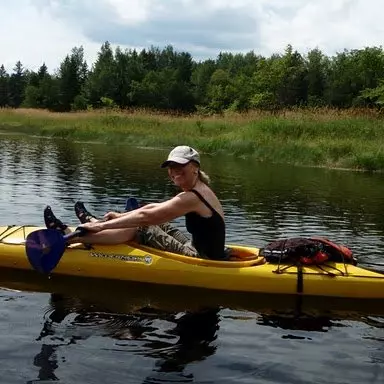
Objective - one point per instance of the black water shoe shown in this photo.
(82, 214)
(52, 222)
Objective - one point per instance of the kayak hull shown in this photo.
(133, 262)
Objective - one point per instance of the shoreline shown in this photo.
(321, 139)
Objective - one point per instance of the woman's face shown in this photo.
(183, 175)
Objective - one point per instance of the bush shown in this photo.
(80, 103)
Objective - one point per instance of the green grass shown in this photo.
(330, 138)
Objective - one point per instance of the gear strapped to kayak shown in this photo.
(313, 251)
(307, 251)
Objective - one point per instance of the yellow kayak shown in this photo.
(248, 273)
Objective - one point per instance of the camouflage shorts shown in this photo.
(166, 238)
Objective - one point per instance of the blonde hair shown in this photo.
(204, 177)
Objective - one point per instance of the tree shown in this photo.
(50, 92)
(4, 83)
(162, 90)
(17, 84)
(170, 80)
(316, 77)
(200, 78)
(39, 91)
(32, 97)
(238, 63)
(292, 88)
(221, 91)
(280, 81)
(129, 69)
(351, 72)
(42, 72)
(72, 76)
(102, 79)
(149, 59)
(374, 96)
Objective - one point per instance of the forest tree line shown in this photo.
(164, 79)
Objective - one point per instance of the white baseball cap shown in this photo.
(182, 155)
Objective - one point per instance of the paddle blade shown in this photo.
(131, 204)
(44, 249)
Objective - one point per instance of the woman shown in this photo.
(197, 202)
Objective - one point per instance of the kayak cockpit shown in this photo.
(240, 256)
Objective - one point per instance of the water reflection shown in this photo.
(195, 333)
(170, 331)
(301, 321)
(261, 202)
(188, 337)
(173, 339)
(174, 329)
(47, 363)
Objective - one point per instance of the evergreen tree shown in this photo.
(40, 92)
(102, 79)
(72, 76)
(129, 69)
(43, 72)
(4, 82)
(170, 80)
(17, 84)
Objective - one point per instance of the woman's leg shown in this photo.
(174, 232)
(108, 237)
(155, 237)
(169, 229)
(164, 237)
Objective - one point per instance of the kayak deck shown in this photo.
(249, 273)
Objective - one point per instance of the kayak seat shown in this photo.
(236, 254)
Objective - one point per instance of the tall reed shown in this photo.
(317, 137)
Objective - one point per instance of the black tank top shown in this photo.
(208, 233)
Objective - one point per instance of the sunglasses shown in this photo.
(177, 165)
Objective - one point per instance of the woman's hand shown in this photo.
(111, 215)
(93, 227)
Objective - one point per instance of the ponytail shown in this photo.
(204, 177)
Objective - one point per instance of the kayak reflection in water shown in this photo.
(148, 225)
(174, 340)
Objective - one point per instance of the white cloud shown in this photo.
(33, 36)
(37, 31)
(131, 12)
(330, 25)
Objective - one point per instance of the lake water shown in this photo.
(84, 331)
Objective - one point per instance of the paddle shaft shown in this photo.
(77, 233)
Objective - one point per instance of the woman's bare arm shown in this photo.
(151, 214)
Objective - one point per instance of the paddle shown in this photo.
(45, 247)
(131, 204)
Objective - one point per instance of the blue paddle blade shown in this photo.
(44, 249)
(131, 204)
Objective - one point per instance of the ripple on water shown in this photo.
(63, 337)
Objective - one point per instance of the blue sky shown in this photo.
(37, 31)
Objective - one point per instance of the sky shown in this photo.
(45, 31)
